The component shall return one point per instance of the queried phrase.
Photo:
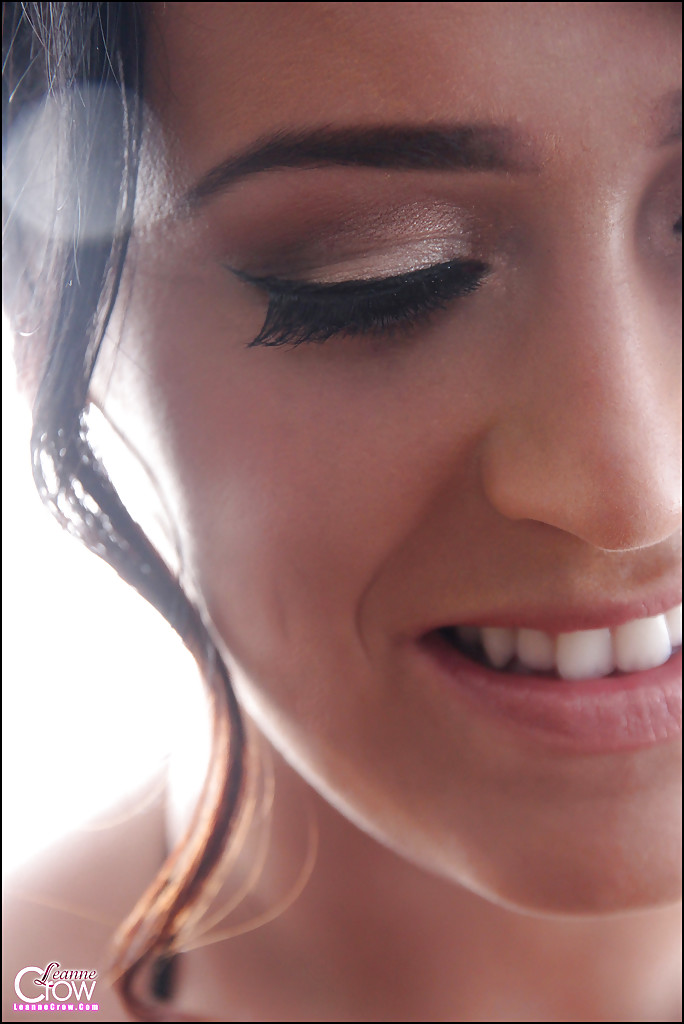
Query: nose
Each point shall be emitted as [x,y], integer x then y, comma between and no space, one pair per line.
[588,439]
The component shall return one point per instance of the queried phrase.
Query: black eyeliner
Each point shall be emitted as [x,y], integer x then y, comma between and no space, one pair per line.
[302,312]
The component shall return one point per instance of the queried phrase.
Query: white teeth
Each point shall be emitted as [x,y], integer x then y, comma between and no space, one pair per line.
[642,644]
[585,654]
[673,618]
[499,645]
[536,649]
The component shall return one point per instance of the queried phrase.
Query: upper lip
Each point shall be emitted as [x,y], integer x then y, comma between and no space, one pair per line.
[571,617]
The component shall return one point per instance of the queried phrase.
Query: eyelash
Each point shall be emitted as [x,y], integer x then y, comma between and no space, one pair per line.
[302,312]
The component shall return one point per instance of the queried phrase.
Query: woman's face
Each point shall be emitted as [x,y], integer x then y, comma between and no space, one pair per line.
[494,444]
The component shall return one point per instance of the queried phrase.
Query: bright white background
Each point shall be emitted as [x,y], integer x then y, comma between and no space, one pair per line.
[94,682]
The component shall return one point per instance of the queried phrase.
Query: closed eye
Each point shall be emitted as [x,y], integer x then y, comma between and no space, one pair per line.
[301,312]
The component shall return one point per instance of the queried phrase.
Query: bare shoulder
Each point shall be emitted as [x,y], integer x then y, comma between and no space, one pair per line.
[63,908]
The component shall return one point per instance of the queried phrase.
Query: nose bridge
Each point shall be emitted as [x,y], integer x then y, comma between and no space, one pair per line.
[590,440]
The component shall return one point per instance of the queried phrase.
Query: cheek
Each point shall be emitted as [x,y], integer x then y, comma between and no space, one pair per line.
[294,478]
[294,475]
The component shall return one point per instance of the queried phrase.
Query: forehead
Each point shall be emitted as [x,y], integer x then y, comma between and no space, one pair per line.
[224,74]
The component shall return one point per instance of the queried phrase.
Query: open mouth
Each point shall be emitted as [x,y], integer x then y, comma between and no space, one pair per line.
[591,691]
[635,646]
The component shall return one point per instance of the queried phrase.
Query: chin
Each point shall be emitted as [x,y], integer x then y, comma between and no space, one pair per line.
[609,863]
[581,891]
[546,835]
[583,876]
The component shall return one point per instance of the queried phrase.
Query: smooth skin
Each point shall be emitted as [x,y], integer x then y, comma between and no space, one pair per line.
[514,452]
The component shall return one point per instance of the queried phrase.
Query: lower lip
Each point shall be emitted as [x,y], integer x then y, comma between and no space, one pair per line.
[613,713]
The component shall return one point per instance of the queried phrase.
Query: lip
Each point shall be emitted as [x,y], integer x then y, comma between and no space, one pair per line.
[590,716]
[569,619]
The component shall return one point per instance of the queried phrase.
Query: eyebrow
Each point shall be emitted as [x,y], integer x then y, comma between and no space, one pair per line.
[460,147]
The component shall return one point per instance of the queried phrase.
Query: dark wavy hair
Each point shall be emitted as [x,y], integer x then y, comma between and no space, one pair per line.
[81,65]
